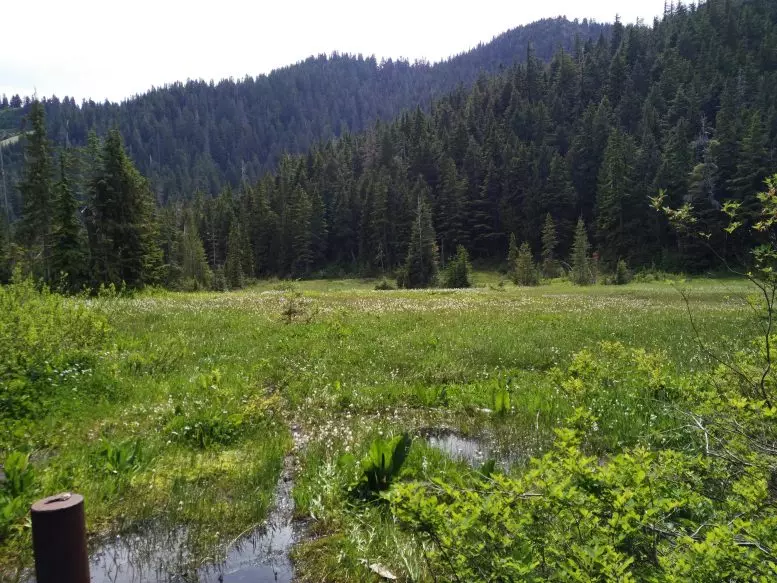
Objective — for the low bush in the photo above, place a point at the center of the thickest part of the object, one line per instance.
(44, 337)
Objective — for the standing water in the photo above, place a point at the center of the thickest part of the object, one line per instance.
(153, 557)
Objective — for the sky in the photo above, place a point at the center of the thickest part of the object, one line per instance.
(104, 49)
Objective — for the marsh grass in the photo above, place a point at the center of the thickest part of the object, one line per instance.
(184, 416)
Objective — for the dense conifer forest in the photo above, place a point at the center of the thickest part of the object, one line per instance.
(685, 106)
(204, 135)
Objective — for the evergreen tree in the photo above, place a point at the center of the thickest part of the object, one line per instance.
(125, 248)
(5, 249)
(37, 193)
(298, 232)
(512, 256)
(457, 273)
(581, 269)
(752, 166)
(525, 272)
(69, 251)
(549, 244)
(233, 267)
(195, 271)
(614, 198)
(421, 264)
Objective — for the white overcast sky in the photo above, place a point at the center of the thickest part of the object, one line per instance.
(110, 49)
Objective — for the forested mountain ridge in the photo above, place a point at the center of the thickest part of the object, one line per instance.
(200, 135)
(685, 107)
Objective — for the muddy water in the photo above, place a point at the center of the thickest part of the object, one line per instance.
(155, 557)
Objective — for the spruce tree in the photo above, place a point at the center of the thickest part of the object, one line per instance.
(549, 244)
(37, 192)
(525, 273)
(421, 264)
(125, 248)
(233, 267)
(752, 166)
(457, 273)
(298, 233)
(512, 256)
(613, 197)
(69, 253)
(195, 271)
(581, 269)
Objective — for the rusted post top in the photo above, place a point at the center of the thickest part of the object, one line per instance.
(57, 502)
(59, 539)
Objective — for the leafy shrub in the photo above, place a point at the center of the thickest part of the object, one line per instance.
(120, 458)
(16, 492)
(18, 474)
(384, 285)
(628, 390)
(641, 516)
(41, 334)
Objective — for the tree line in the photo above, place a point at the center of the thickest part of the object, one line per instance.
(201, 135)
(684, 106)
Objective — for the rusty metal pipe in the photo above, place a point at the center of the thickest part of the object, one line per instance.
(59, 539)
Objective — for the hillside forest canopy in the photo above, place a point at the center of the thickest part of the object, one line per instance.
(683, 106)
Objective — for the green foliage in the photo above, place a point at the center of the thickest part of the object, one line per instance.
(384, 285)
(525, 272)
(121, 458)
(19, 476)
(501, 399)
(420, 268)
(215, 420)
(581, 273)
(384, 461)
(550, 265)
(457, 274)
(15, 492)
(42, 335)
(195, 272)
(38, 196)
(233, 268)
(622, 273)
(123, 227)
(646, 512)
(69, 256)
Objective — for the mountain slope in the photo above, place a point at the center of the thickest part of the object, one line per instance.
(686, 106)
(199, 135)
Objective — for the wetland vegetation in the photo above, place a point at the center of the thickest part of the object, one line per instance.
(179, 412)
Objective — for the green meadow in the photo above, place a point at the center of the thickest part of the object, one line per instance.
(181, 409)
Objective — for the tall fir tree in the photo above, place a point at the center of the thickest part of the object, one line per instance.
(36, 188)
(615, 198)
(299, 236)
(512, 255)
(125, 248)
(525, 273)
(549, 244)
(233, 267)
(195, 270)
(421, 264)
(69, 257)
(581, 267)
